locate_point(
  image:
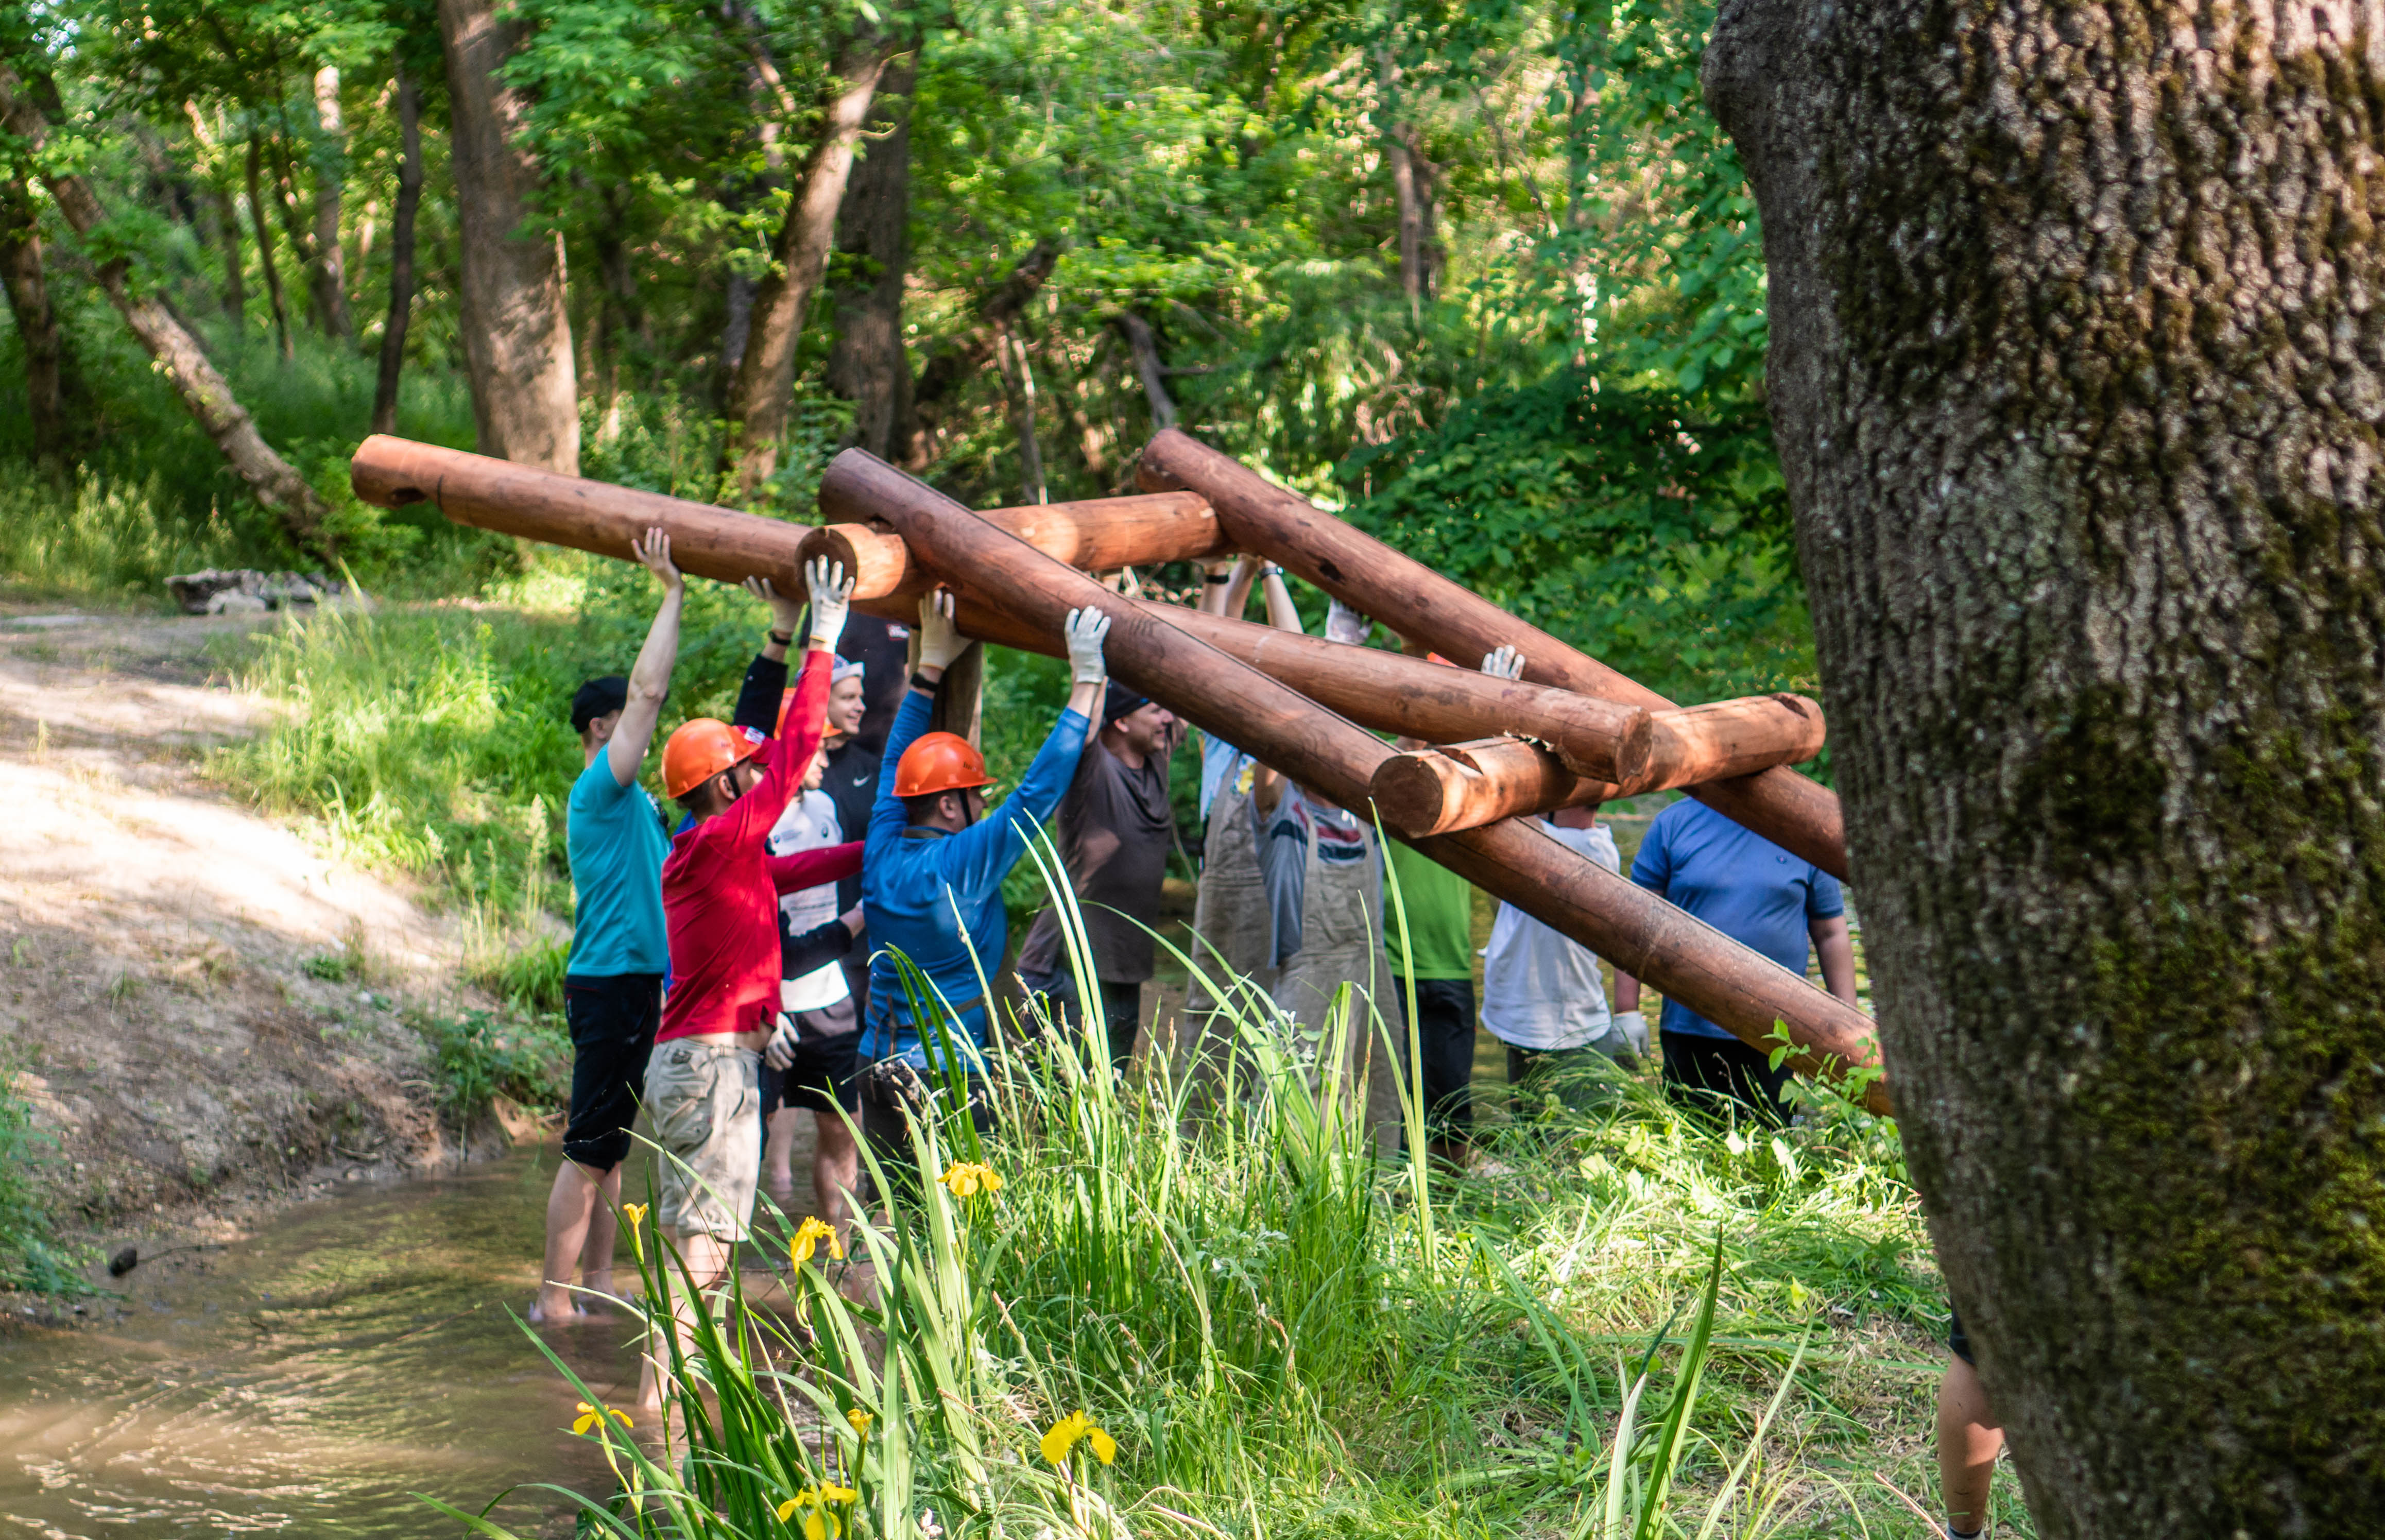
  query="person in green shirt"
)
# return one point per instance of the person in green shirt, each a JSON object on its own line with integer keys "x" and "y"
{"x": 1439, "y": 962}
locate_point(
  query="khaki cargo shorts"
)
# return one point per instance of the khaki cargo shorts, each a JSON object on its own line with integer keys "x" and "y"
{"x": 705, "y": 1101}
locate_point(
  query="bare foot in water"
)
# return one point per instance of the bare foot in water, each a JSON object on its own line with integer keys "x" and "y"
{"x": 555, "y": 1307}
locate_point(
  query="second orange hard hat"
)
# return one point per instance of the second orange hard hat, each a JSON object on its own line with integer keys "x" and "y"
{"x": 701, "y": 749}
{"x": 939, "y": 762}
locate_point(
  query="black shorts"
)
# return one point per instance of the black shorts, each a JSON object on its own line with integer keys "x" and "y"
{"x": 821, "y": 1079}
{"x": 1445, "y": 1046}
{"x": 1719, "y": 1079}
{"x": 613, "y": 1020}
{"x": 1958, "y": 1342}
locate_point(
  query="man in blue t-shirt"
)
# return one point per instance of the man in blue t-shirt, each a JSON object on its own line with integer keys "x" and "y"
{"x": 613, "y": 983}
{"x": 1761, "y": 897}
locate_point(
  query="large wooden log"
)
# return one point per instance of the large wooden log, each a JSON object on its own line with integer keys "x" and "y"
{"x": 1422, "y": 604}
{"x": 1438, "y": 791}
{"x": 1099, "y": 535}
{"x": 1639, "y": 932}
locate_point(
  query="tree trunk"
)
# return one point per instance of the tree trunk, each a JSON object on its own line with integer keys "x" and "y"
{"x": 867, "y": 364}
{"x": 329, "y": 272}
{"x": 2076, "y": 373}
{"x": 759, "y": 399}
{"x": 517, "y": 324}
{"x": 37, "y": 322}
{"x": 265, "y": 247}
{"x": 956, "y": 363}
{"x": 401, "y": 252}
{"x": 235, "y": 283}
{"x": 1018, "y": 395}
{"x": 1412, "y": 193}
{"x": 1153, "y": 374}
{"x": 177, "y": 354}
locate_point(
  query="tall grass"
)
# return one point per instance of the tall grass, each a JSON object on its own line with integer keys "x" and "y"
{"x": 1644, "y": 1328}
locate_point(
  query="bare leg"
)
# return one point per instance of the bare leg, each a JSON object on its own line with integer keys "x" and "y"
{"x": 1969, "y": 1438}
{"x": 836, "y": 1167}
{"x": 603, "y": 1227}
{"x": 708, "y": 1262}
{"x": 778, "y": 1160}
{"x": 570, "y": 1207}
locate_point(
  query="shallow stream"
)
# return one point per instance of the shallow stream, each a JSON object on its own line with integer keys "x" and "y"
{"x": 353, "y": 1351}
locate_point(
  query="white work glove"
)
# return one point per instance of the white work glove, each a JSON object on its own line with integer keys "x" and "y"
{"x": 940, "y": 637}
{"x": 832, "y": 593}
{"x": 1633, "y": 1025}
{"x": 1086, "y": 630}
{"x": 779, "y": 1051}
{"x": 1346, "y": 624}
{"x": 1504, "y": 662}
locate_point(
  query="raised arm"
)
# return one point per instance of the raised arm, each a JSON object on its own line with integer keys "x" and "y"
{"x": 625, "y": 754}
{"x": 785, "y": 758}
{"x": 811, "y": 868}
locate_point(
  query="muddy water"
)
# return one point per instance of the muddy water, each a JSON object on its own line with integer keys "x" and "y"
{"x": 307, "y": 1380}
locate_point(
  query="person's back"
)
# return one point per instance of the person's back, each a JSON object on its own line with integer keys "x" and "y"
{"x": 1760, "y": 895}
{"x": 1542, "y": 996}
{"x": 1428, "y": 936}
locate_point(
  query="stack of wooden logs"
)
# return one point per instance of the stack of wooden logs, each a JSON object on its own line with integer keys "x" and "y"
{"x": 1571, "y": 731}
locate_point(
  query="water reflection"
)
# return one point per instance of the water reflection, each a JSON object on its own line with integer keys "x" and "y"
{"x": 355, "y": 1351}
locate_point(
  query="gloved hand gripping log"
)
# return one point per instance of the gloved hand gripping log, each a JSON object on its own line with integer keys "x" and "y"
{"x": 1639, "y": 932}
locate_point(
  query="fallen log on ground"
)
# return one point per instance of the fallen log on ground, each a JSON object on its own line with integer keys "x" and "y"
{"x": 1420, "y": 605}
{"x": 1730, "y": 983}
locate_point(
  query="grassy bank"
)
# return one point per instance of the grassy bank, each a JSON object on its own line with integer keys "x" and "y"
{"x": 1641, "y": 1326}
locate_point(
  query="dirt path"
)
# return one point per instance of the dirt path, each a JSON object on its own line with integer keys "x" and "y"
{"x": 156, "y": 1007}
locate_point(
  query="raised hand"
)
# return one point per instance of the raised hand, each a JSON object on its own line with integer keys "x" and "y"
{"x": 1087, "y": 629}
{"x": 786, "y": 612}
{"x": 832, "y": 593}
{"x": 1504, "y": 662}
{"x": 652, "y": 548}
{"x": 940, "y": 637}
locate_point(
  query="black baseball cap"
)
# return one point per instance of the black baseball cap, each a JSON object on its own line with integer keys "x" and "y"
{"x": 598, "y": 697}
{"x": 1120, "y": 702}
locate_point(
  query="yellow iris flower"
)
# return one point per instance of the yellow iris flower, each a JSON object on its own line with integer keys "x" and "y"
{"x": 967, "y": 1179}
{"x": 860, "y": 1420}
{"x": 591, "y": 1417}
{"x": 1069, "y": 1430}
{"x": 819, "y": 1523}
{"x": 809, "y": 1236}
{"x": 635, "y": 1214}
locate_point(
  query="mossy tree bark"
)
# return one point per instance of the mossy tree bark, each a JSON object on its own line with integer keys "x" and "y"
{"x": 2078, "y": 366}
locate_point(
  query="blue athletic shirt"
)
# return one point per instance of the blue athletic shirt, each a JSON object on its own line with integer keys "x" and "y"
{"x": 936, "y": 897}
{"x": 613, "y": 836}
{"x": 1740, "y": 883}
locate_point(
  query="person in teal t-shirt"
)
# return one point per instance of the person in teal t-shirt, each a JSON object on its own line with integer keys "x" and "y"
{"x": 1438, "y": 962}
{"x": 613, "y": 982}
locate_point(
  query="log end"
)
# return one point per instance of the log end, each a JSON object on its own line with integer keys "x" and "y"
{"x": 379, "y": 474}
{"x": 878, "y": 559}
{"x": 1412, "y": 790}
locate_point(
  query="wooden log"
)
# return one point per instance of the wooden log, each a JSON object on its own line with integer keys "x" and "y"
{"x": 1434, "y": 790}
{"x": 1099, "y": 535}
{"x": 1693, "y": 744}
{"x": 1422, "y": 604}
{"x": 524, "y": 501}
{"x": 1716, "y": 976}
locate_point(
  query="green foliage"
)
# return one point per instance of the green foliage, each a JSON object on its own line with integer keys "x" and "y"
{"x": 479, "y": 1058}
{"x": 31, "y": 1256}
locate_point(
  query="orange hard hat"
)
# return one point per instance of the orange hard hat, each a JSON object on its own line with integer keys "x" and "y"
{"x": 786, "y": 704}
{"x": 701, "y": 749}
{"x": 940, "y": 762}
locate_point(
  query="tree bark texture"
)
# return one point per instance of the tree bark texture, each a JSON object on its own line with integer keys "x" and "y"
{"x": 265, "y": 247}
{"x": 401, "y": 252}
{"x": 327, "y": 272}
{"x": 171, "y": 345}
{"x": 516, "y": 323}
{"x": 2078, "y": 363}
{"x": 866, "y": 363}
{"x": 37, "y": 320}
{"x": 759, "y": 401}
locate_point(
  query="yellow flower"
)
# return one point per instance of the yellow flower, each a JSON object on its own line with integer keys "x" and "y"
{"x": 635, "y": 1214}
{"x": 860, "y": 1420}
{"x": 1066, "y": 1433}
{"x": 809, "y": 1236}
{"x": 819, "y": 1523}
{"x": 591, "y": 1417}
{"x": 967, "y": 1179}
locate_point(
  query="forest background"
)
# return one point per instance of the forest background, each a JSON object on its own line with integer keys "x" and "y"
{"x": 1484, "y": 277}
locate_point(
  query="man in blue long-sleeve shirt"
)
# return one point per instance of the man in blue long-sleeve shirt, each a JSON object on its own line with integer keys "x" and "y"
{"x": 931, "y": 877}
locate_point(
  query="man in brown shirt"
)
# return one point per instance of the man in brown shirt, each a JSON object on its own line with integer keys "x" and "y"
{"x": 1115, "y": 827}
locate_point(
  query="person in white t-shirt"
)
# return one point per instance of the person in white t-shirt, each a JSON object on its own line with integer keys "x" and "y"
{"x": 1542, "y": 993}
{"x": 809, "y": 1062}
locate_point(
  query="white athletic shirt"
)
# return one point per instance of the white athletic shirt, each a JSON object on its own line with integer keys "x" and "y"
{"x": 809, "y": 823}
{"x": 1540, "y": 990}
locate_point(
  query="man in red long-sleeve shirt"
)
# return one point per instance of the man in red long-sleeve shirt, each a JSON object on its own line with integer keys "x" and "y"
{"x": 721, "y": 904}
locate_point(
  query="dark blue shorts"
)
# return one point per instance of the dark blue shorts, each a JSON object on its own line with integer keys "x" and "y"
{"x": 613, "y": 1020}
